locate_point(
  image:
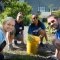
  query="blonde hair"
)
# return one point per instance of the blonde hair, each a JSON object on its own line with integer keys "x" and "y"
{"x": 7, "y": 19}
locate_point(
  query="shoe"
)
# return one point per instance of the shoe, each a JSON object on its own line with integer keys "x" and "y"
{"x": 52, "y": 57}
{"x": 10, "y": 46}
{"x": 15, "y": 42}
{"x": 41, "y": 44}
{"x": 13, "y": 47}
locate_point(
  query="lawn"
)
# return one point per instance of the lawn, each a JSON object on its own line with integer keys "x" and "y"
{"x": 42, "y": 54}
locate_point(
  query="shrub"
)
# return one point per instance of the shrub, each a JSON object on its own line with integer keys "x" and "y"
{"x": 13, "y": 7}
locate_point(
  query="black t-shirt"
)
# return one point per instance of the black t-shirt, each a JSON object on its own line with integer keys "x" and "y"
{"x": 19, "y": 27}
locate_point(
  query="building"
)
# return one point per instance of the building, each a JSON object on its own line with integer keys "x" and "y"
{"x": 43, "y": 5}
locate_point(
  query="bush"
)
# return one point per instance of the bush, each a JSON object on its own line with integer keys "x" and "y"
{"x": 44, "y": 19}
{"x": 13, "y": 7}
{"x": 27, "y": 20}
{"x": 57, "y": 13}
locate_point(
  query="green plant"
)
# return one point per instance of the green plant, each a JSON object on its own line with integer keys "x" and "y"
{"x": 30, "y": 37}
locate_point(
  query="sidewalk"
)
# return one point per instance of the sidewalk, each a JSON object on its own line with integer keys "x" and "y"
{"x": 25, "y": 33}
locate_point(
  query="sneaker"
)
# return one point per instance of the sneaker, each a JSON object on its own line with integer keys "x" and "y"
{"x": 10, "y": 46}
{"x": 52, "y": 57}
{"x": 13, "y": 47}
{"x": 41, "y": 44}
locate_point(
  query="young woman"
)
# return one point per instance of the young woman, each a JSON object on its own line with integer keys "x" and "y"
{"x": 7, "y": 26}
{"x": 17, "y": 33}
{"x": 38, "y": 28}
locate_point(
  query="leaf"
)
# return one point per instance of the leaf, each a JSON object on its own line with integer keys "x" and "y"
{"x": 30, "y": 37}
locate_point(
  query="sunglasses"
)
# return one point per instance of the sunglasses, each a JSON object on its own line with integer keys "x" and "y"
{"x": 34, "y": 18}
{"x": 51, "y": 22}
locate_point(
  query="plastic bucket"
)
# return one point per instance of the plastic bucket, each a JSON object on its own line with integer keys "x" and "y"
{"x": 32, "y": 45}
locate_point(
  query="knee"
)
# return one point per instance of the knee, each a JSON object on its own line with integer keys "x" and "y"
{"x": 42, "y": 32}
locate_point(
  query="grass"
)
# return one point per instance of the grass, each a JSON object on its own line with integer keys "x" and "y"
{"x": 25, "y": 57}
{"x": 22, "y": 55}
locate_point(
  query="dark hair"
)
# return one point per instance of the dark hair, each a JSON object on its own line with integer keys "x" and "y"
{"x": 53, "y": 16}
{"x": 36, "y": 15}
{"x": 20, "y": 13}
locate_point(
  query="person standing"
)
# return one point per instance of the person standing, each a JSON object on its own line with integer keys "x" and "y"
{"x": 54, "y": 22}
{"x": 7, "y": 26}
{"x": 37, "y": 28}
{"x": 17, "y": 33}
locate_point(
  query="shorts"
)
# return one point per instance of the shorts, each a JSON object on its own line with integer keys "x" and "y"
{"x": 2, "y": 46}
{"x": 18, "y": 36}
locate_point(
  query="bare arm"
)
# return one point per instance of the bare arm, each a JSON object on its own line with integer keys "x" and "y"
{"x": 56, "y": 43}
{"x": 56, "y": 52}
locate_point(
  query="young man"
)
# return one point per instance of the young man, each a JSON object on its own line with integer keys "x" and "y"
{"x": 17, "y": 33}
{"x": 37, "y": 28}
{"x": 54, "y": 22}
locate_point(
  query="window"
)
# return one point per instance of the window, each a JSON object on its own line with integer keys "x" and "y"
{"x": 42, "y": 9}
{"x": 54, "y": 8}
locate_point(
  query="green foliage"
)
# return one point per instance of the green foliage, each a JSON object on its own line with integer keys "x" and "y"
{"x": 57, "y": 13}
{"x": 49, "y": 29}
{"x": 12, "y": 7}
{"x": 30, "y": 38}
{"x": 27, "y": 20}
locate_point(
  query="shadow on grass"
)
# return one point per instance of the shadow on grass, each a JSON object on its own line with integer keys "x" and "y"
{"x": 42, "y": 54}
{"x": 24, "y": 57}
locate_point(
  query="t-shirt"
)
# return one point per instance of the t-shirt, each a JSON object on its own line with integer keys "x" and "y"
{"x": 58, "y": 34}
{"x": 18, "y": 27}
{"x": 2, "y": 37}
{"x": 34, "y": 29}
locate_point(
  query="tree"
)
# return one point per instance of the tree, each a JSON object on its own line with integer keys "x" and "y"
{"x": 12, "y": 7}
{"x": 50, "y": 7}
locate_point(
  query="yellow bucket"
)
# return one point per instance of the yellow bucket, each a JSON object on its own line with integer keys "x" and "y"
{"x": 32, "y": 45}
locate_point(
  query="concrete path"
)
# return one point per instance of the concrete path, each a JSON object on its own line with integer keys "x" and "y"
{"x": 25, "y": 33}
